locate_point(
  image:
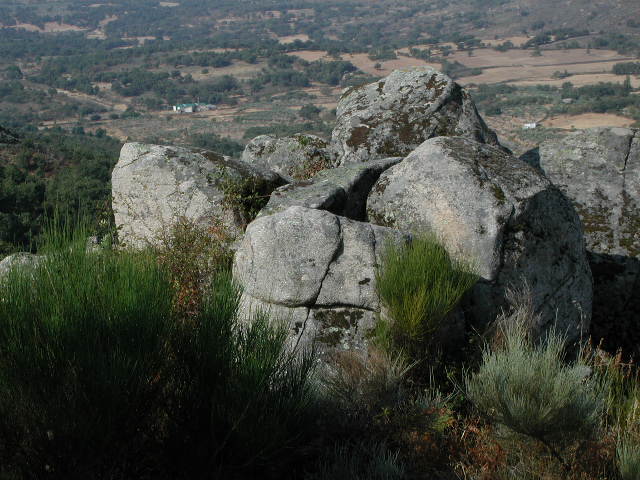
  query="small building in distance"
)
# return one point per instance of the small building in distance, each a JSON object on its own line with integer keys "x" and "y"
{"x": 193, "y": 107}
{"x": 530, "y": 126}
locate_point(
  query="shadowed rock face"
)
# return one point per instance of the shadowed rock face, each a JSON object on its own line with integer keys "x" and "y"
{"x": 393, "y": 116}
{"x": 488, "y": 206}
{"x": 599, "y": 170}
{"x": 294, "y": 158}
{"x": 341, "y": 190}
{"x": 153, "y": 186}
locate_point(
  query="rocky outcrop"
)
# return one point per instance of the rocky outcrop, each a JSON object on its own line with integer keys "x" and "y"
{"x": 599, "y": 170}
{"x": 393, "y": 116}
{"x": 153, "y": 186}
{"x": 341, "y": 190}
{"x": 315, "y": 270}
{"x": 19, "y": 260}
{"x": 298, "y": 157}
{"x": 505, "y": 216}
{"x": 310, "y": 257}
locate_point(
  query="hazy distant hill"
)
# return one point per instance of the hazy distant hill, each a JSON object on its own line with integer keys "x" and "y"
{"x": 360, "y": 21}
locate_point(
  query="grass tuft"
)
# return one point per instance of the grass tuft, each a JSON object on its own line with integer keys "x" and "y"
{"x": 419, "y": 285}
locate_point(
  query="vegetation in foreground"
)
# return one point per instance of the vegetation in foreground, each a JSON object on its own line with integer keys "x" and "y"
{"x": 110, "y": 369}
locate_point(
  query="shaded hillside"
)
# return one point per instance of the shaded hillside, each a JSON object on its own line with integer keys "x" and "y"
{"x": 47, "y": 172}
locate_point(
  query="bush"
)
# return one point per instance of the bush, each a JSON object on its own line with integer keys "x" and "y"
{"x": 419, "y": 285}
{"x": 192, "y": 254}
{"x": 363, "y": 461}
{"x": 365, "y": 386}
{"x": 628, "y": 459}
{"x": 83, "y": 361}
{"x": 243, "y": 399}
{"x": 528, "y": 388}
{"x": 99, "y": 379}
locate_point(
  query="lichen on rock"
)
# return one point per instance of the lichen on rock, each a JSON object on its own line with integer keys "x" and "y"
{"x": 393, "y": 116}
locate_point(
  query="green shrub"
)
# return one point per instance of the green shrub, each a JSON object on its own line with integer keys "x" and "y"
{"x": 99, "y": 379}
{"x": 363, "y": 461}
{"x": 622, "y": 386}
{"x": 83, "y": 361}
{"x": 192, "y": 254}
{"x": 243, "y": 398}
{"x": 367, "y": 385}
{"x": 530, "y": 389}
{"x": 419, "y": 285}
{"x": 628, "y": 459}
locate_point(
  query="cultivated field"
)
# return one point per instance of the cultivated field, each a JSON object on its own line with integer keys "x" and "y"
{"x": 587, "y": 120}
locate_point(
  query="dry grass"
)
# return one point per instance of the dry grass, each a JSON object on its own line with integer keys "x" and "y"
{"x": 309, "y": 55}
{"x": 364, "y": 63}
{"x": 293, "y": 38}
{"x": 588, "y": 120}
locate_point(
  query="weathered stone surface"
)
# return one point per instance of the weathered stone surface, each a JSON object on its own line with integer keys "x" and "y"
{"x": 19, "y": 260}
{"x": 395, "y": 115}
{"x": 599, "y": 170}
{"x": 310, "y": 264}
{"x": 153, "y": 186}
{"x": 341, "y": 190}
{"x": 486, "y": 205}
{"x": 297, "y": 157}
{"x": 283, "y": 258}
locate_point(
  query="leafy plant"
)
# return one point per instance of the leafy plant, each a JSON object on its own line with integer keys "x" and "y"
{"x": 367, "y": 385}
{"x": 628, "y": 458}
{"x": 531, "y": 390}
{"x": 83, "y": 361}
{"x": 192, "y": 254}
{"x": 244, "y": 196}
{"x": 419, "y": 285}
{"x": 243, "y": 399}
{"x": 363, "y": 461}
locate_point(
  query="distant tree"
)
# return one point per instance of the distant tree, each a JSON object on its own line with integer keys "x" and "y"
{"x": 13, "y": 72}
{"x": 309, "y": 112}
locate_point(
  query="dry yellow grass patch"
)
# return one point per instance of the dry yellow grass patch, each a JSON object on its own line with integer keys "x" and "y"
{"x": 588, "y": 120}
{"x": 293, "y": 38}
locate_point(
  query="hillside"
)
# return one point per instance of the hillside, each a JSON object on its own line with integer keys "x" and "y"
{"x": 406, "y": 300}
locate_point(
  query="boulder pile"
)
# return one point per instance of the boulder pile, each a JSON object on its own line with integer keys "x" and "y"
{"x": 409, "y": 154}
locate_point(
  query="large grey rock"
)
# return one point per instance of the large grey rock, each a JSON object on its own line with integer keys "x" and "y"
{"x": 599, "y": 170}
{"x": 283, "y": 258}
{"x": 393, "y": 116}
{"x": 21, "y": 260}
{"x": 154, "y": 185}
{"x": 341, "y": 190}
{"x": 490, "y": 207}
{"x": 315, "y": 270}
{"x": 297, "y": 157}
